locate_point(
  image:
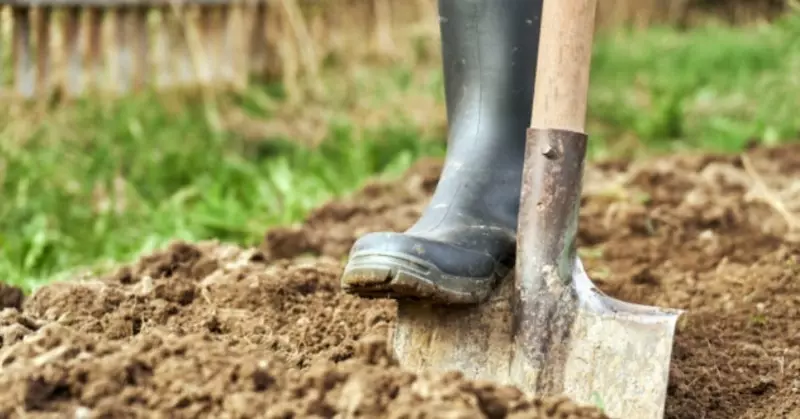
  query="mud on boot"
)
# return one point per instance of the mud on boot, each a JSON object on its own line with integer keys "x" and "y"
{"x": 465, "y": 240}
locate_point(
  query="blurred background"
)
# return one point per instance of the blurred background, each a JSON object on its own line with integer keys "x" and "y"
{"x": 124, "y": 127}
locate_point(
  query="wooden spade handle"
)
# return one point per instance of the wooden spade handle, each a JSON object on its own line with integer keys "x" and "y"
{"x": 562, "y": 75}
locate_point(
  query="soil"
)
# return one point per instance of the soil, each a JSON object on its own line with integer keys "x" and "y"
{"x": 209, "y": 329}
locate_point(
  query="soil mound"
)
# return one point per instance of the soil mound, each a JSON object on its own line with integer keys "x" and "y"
{"x": 716, "y": 235}
{"x": 216, "y": 330}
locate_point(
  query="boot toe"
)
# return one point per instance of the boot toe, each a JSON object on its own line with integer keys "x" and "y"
{"x": 404, "y": 266}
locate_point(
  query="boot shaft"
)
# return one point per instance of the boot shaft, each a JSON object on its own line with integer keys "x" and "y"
{"x": 489, "y": 53}
{"x": 465, "y": 240}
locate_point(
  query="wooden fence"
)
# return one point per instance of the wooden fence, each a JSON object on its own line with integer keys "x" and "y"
{"x": 77, "y": 46}
{"x": 120, "y": 47}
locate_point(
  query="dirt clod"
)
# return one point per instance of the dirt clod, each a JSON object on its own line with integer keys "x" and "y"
{"x": 215, "y": 330}
{"x": 10, "y": 297}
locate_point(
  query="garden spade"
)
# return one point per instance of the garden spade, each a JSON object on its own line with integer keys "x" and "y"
{"x": 547, "y": 329}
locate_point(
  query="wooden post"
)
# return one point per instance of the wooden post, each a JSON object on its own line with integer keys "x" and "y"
{"x": 140, "y": 32}
{"x": 24, "y": 80}
{"x": 95, "y": 72}
{"x": 71, "y": 81}
{"x": 43, "y": 23}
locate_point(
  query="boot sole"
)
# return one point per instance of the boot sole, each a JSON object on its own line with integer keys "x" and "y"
{"x": 402, "y": 277}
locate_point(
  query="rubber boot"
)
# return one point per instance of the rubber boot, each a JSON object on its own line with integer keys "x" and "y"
{"x": 465, "y": 240}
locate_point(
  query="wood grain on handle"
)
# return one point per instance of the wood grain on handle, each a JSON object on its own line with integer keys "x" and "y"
{"x": 562, "y": 75}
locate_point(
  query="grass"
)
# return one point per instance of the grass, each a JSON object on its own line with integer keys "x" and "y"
{"x": 149, "y": 176}
{"x": 95, "y": 183}
{"x": 712, "y": 88}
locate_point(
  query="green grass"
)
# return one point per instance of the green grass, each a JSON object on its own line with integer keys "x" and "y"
{"x": 712, "y": 88}
{"x": 100, "y": 182}
{"x": 149, "y": 176}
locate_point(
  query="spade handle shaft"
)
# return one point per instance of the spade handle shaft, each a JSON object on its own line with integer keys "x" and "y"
{"x": 562, "y": 75}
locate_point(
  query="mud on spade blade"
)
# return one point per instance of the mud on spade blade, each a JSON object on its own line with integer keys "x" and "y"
{"x": 549, "y": 330}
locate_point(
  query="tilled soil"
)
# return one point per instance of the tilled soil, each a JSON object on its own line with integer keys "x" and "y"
{"x": 216, "y": 330}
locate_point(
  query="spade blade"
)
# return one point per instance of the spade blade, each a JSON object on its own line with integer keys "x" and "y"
{"x": 549, "y": 330}
{"x": 609, "y": 353}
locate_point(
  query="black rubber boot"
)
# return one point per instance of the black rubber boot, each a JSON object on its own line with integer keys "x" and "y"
{"x": 465, "y": 240}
